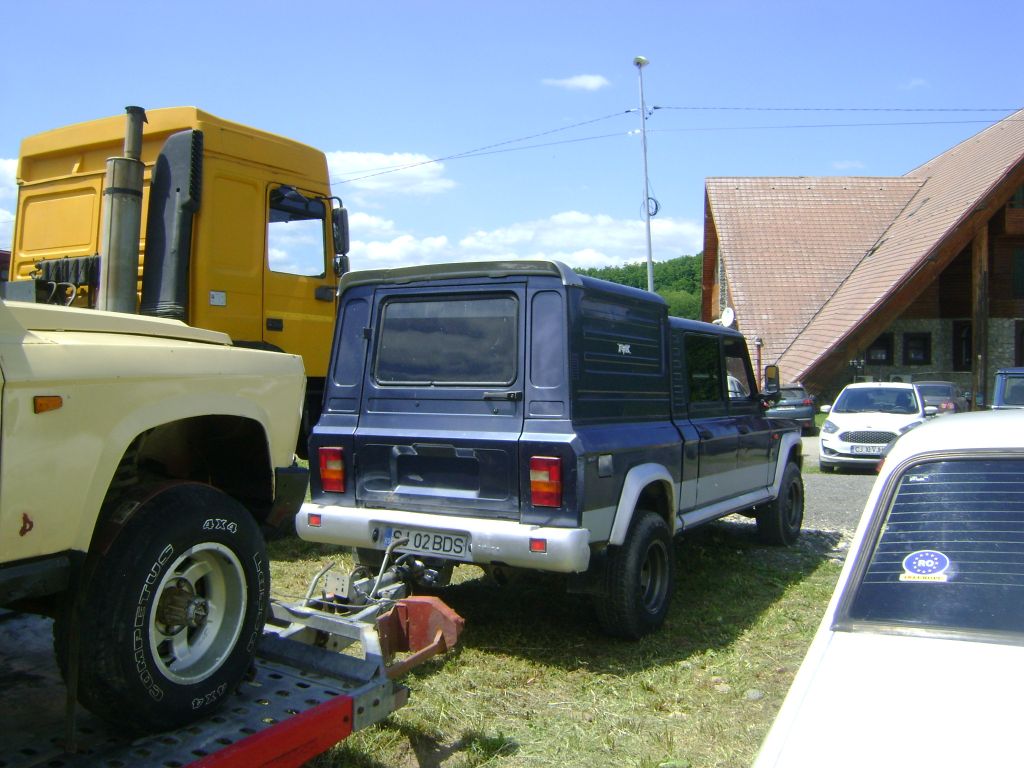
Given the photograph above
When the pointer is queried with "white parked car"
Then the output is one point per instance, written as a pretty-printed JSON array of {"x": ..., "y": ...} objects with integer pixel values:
[
  {"x": 919, "y": 659},
  {"x": 864, "y": 419}
]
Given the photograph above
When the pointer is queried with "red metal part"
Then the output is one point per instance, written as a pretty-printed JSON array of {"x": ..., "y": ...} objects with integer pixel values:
[
  {"x": 422, "y": 625},
  {"x": 290, "y": 743}
]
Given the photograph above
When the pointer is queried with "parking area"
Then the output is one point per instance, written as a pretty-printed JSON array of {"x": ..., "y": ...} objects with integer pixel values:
[{"x": 832, "y": 501}]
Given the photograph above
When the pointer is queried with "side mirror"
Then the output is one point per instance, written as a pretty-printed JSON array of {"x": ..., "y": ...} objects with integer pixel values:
[
  {"x": 339, "y": 223},
  {"x": 826, "y": 409},
  {"x": 340, "y": 264},
  {"x": 771, "y": 379},
  {"x": 930, "y": 410}
]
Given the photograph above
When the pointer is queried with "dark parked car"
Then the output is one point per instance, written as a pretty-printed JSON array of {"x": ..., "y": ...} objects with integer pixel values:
[
  {"x": 944, "y": 395},
  {"x": 794, "y": 403}
]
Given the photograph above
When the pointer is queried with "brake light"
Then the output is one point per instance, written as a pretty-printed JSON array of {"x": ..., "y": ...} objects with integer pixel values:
[
  {"x": 332, "y": 469},
  {"x": 545, "y": 481},
  {"x": 807, "y": 401}
]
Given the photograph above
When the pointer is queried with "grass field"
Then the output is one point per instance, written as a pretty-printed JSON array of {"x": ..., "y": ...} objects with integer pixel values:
[{"x": 534, "y": 683}]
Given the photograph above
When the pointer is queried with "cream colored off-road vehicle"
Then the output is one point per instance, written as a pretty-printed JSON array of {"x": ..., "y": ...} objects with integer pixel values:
[{"x": 139, "y": 459}]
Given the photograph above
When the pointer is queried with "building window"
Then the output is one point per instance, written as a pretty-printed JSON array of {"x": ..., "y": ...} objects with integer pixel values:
[
  {"x": 1018, "y": 273},
  {"x": 963, "y": 343},
  {"x": 917, "y": 349},
  {"x": 880, "y": 351},
  {"x": 1017, "y": 201}
]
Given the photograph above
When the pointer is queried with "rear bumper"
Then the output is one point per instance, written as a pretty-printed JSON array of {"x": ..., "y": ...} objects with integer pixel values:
[{"x": 504, "y": 542}]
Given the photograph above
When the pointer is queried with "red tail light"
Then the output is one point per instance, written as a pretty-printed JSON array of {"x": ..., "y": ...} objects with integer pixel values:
[
  {"x": 545, "y": 481},
  {"x": 808, "y": 401},
  {"x": 332, "y": 469}
]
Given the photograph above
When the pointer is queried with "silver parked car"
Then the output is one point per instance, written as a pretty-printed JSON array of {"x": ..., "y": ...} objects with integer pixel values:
[{"x": 946, "y": 396}]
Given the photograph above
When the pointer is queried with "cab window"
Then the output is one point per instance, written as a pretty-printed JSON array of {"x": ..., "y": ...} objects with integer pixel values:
[{"x": 295, "y": 233}]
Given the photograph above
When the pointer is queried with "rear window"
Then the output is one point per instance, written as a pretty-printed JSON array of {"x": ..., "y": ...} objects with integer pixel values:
[
  {"x": 950, "y": 553},
  {"x": 792, "y": 393},
  {"x": 448, "y": 341},
  {"x": 935, "y": 390}
]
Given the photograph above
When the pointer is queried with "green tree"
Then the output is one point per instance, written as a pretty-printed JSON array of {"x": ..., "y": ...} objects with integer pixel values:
[{"x": 676, "y": 280}]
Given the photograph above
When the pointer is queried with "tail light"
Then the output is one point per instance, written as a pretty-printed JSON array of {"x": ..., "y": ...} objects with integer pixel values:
[
  {"x": 947, "y": 405},
  {"x": 808, "y": 401},
  {"x": 332, "y": 469},
  {"x": 545, "y": 481}
]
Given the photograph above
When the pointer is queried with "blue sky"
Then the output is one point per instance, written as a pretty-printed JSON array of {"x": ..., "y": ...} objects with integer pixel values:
[{"x": 386, "y": 84}]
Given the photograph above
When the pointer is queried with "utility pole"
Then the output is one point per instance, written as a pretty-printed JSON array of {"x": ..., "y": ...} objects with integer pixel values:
[{"x": 640, "y": 63}]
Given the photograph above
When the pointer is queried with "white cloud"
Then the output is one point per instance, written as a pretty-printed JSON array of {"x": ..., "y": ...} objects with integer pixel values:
[
  {"x": 847, "y": 165},
  {"x": 576, "y": 238},
  {"x": 374, "y": 173},
  {"x": 8, "y": 196},
  {"x": 914, "y": 83},
  {"x": 579, "y": 83}
]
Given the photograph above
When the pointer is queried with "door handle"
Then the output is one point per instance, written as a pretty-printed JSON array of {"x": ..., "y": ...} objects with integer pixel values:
[
  {"x": 325, "y": 293},
  {"x": 513, "y": 396}
]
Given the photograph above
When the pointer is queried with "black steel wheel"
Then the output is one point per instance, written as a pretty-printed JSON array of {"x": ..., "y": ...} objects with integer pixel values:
[
  {"x": 639, "y": 579},
  {"x": 779, "y": 522}
]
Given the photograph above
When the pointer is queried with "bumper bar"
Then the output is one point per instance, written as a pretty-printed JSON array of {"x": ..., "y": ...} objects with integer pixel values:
[{"x": 504, "y": 542}]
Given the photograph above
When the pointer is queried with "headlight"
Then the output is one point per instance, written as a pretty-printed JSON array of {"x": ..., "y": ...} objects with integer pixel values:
[{"x": 829, "y": 428}]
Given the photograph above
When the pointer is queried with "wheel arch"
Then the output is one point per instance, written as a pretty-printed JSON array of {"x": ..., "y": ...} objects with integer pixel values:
[
  {"x": 227, "y": 452},
  {"x": 647, "y": 485}
]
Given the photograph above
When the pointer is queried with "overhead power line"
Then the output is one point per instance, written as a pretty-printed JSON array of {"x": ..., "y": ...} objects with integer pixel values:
[
  {"x": 844, "y": 109},
  {"x": 820, "y": 125},
  {"x": 484, "y": 150},
  {"x": 505, "y": 146}
]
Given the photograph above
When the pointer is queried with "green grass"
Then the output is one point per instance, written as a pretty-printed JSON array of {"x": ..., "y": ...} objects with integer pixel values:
[{"x": 534, "y": 683}]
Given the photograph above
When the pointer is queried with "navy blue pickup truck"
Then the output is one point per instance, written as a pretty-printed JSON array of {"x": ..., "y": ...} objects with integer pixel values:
[{"x": 519, "y": 415}]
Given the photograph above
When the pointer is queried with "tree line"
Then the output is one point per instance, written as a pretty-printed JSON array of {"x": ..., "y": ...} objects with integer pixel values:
[{"x": 676, "y": 280}]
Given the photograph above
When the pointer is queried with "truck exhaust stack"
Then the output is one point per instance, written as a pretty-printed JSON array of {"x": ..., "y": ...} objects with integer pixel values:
[{"x": 122, "y": 222}]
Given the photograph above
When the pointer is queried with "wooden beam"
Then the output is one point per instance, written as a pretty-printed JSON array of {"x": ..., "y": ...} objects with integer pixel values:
[{"x": 979, "y": 312}]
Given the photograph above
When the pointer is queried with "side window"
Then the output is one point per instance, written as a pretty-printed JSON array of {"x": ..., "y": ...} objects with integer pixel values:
[
  {"x": 295, "y": 233},
  {"x": 739, "y": 376},
  {"x": 704, "y": 374}
]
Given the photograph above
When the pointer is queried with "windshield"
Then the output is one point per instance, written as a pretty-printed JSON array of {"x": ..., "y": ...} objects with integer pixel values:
[
  {"x": 950, "y": 553},
  {"x": 876, "y": 399}
]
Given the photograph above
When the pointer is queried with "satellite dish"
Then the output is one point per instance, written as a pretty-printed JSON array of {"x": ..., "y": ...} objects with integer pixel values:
[{"x": 728, "y": 317}]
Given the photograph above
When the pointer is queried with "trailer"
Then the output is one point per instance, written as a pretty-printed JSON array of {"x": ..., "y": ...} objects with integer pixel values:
[{"x": 325, "y": 667}]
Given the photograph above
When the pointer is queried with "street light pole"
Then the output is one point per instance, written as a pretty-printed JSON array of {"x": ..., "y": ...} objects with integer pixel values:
[{"x": 640, "y": 63}]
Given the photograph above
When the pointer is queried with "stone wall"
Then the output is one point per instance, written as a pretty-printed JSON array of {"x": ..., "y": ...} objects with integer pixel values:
[{"x": 1001, "y": 349}]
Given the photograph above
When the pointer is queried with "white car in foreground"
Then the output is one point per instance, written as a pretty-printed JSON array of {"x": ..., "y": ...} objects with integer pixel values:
[
  {"x": 864, "y": 419},
  {"x": 919, "y": 659}
]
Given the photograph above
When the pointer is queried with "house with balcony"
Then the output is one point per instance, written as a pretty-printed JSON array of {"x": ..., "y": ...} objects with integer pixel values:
[{"x": 903, "y": 278}]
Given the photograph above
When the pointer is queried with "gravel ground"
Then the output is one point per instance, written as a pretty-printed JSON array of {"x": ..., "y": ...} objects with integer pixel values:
[{"x": 832, "y": 501}]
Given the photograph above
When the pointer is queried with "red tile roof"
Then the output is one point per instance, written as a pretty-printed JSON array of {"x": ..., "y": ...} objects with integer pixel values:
[
  {"x": 787, "y": 243},
  {"x": 807, "y": 260}
]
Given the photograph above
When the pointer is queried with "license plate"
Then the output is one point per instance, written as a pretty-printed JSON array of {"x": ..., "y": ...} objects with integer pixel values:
[
  {"x": 871, "y": 450},
  {"x": 441, "y": 543},
  {"x": 785, "y": 408}
]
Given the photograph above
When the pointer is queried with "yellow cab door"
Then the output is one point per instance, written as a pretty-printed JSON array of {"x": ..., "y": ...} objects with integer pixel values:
[{"x": 299, "y": 285}]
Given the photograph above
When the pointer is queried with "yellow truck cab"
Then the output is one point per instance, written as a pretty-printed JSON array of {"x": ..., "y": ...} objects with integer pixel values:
[{"x": 239, "y": 230}]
